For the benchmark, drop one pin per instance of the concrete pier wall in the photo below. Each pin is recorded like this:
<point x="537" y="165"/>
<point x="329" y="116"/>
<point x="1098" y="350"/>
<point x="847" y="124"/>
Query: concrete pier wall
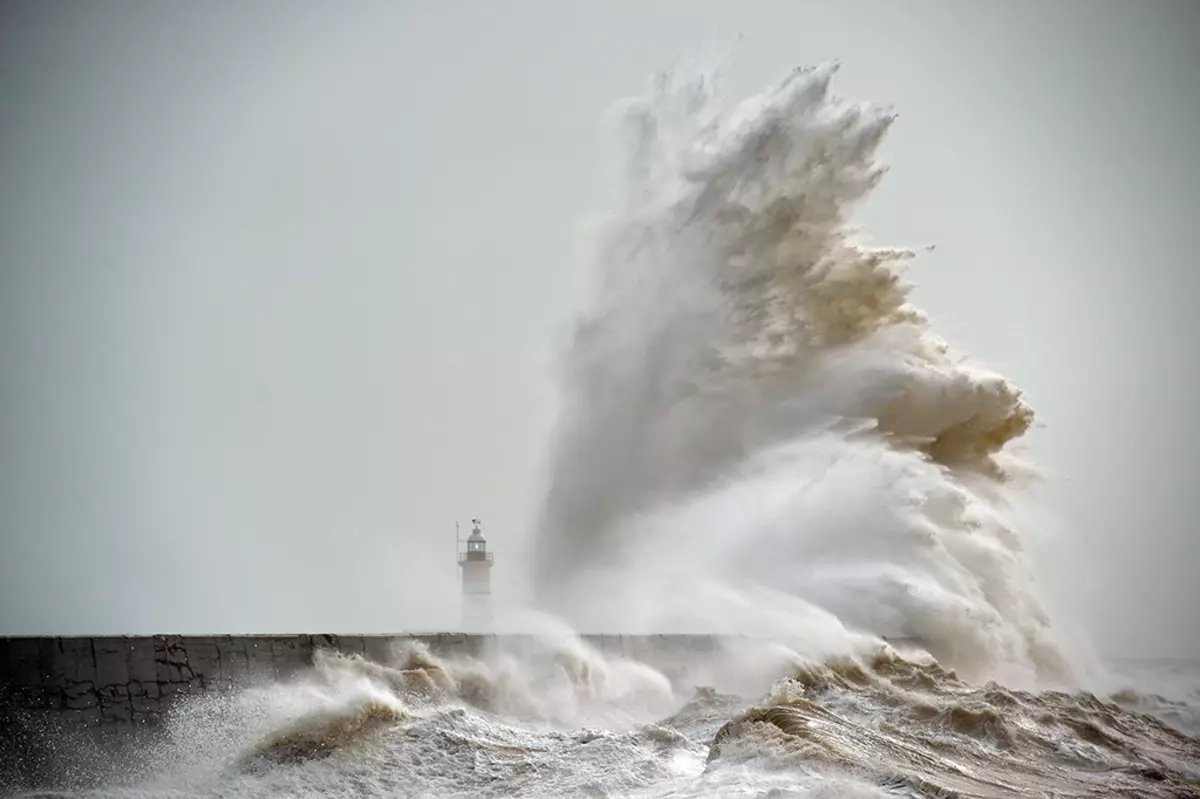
<point x="103" y="687"/>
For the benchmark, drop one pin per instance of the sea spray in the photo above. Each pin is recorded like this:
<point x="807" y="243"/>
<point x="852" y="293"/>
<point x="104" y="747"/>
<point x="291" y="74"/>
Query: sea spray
<point x="759" y="430"/>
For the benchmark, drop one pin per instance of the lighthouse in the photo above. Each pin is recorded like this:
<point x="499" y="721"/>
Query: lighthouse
<point x="476" y="565"/>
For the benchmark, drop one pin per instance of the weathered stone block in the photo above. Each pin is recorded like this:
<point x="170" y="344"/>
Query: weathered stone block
<point x="351" y="645"/>
<point x="47" y="654"/>
<point x="377" y="648"/>
<point x="289" y="655"/>
<point x="323" y="641"/>
<point x="150" y="690"/>
<point x="74" y="661"/>
<point x="235" y="666"/>
<point x="203" y="658"/>
<point x="24" y="662"/>
<point x="80" y="695"/>
<point x="167" y="690"/>
<point x="112" y="666"/>
<point x="260" y="661"/>
<point x="84" y="717"/>
<point x="171" y="660"/>
<point x="110" y="694"/>
<point x="144" y="705"/>
<point x="115" y="704"/>
<point x="141" y="660"/>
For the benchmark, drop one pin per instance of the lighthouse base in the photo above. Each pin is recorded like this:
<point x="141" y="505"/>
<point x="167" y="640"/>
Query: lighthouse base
<point x="477" y="613"/>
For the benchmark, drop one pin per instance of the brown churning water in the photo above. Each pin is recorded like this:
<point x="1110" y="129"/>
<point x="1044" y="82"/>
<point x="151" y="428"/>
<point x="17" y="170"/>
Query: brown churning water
<point x="556" y="718"/>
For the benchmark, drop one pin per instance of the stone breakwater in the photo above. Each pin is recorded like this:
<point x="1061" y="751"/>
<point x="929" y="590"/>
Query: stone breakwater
<point x="106" y="689"/>
<point x="129" y="680"/>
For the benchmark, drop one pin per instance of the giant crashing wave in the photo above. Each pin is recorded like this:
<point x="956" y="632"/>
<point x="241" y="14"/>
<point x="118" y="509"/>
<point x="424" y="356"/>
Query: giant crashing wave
<point x="760" y="434"/>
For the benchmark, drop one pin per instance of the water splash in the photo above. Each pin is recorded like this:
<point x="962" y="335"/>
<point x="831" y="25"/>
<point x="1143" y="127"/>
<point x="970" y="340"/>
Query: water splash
<point x="760" y="432"/>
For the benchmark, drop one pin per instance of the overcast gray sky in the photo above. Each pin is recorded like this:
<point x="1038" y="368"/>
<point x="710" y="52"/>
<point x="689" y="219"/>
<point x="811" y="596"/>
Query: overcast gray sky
<point x="279" y="283"/>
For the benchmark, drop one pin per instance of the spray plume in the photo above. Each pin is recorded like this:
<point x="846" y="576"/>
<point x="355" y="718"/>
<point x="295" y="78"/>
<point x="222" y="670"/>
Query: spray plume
<point x="760" y="433"/>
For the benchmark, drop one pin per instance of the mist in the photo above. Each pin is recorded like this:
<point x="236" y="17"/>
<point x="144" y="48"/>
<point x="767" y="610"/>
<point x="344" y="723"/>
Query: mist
<point x="283" y="286"/>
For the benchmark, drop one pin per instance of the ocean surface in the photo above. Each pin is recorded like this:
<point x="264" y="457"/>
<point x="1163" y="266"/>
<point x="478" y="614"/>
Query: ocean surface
<point x="760" y="435"/>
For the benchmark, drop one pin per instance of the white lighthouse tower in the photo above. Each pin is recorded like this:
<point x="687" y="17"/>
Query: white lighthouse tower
<point x="476" y="564"/>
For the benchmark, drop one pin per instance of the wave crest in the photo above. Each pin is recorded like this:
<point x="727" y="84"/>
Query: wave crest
<point x="916" y="723"/>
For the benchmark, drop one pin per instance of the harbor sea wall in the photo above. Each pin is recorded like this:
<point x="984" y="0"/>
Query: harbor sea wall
<point x="128" y="680"/>
<point x="93" y="690"/>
